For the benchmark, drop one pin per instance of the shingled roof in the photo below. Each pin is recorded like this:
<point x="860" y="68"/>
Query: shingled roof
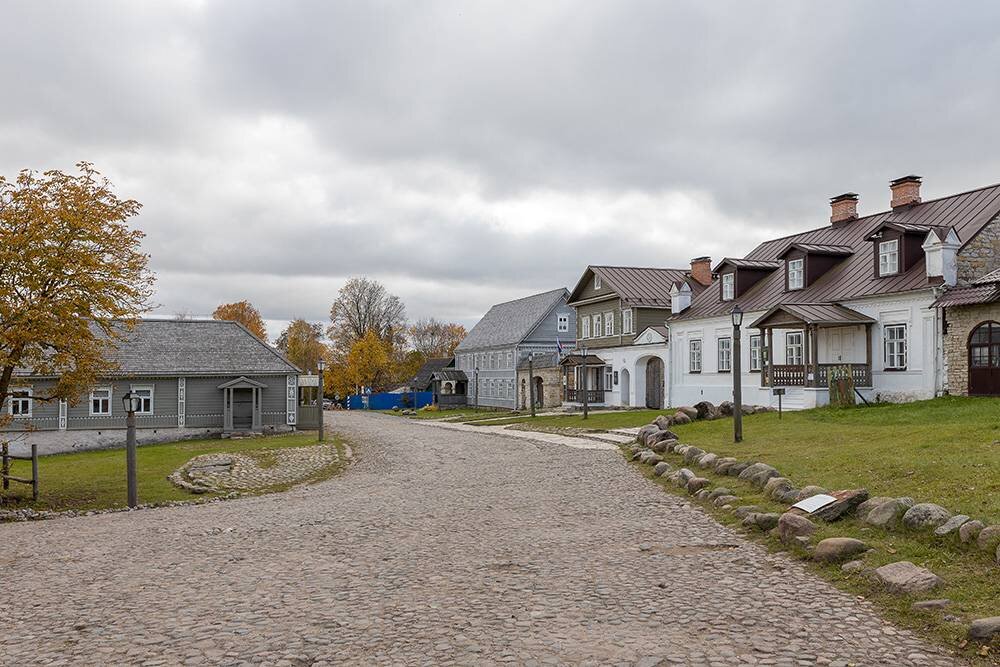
<point x="193" y="347"/>
<point x="510" y="323"/>
<point x="422" y="380"/>
<point x="967" y="213"/>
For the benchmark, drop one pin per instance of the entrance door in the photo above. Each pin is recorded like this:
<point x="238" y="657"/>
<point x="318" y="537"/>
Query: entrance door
<point x="841" y="345"/>
<point x="625" y="389"/>
<point x="539" y="392"/>
<point x="654" y="383"/>
<point x="242" y="409"/>
<point x="984" y="360"/>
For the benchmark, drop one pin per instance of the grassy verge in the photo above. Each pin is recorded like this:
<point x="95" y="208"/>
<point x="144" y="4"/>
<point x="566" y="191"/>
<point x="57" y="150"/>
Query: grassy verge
<point x="96" y="480"/>
<point x="458" y="414"/>
<point x="601" y="421"/>
<point x="945" y="450"/>
<point x="972" y="579"/>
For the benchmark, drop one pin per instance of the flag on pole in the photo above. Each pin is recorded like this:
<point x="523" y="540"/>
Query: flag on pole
<point x="559" y="347"/>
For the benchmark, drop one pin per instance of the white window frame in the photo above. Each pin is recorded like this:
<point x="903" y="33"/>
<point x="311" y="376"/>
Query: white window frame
<point x="888" y="257"/>
<point x="796" y="273"/>
<point x="728" y="286"/>
<point x="609" y="377"/>
<point x="609" y="324"/>
<point x="585" y="326"/>
<point x="794" y="350"/>
<point x="724" y="347"/>
<point x="755" y="352"/>
<point x="152" y="390"/>
<point x="894" y="346"/>
<point x="562" y="323"/>
<point x="597" y="282"/>
<point x="627" y="321"/>
<point x="694" y="355"/>
<point x="110" y="399"/>
<point x="21" y="395"/>
<point x="598" y="325"/>
<point x="510" y="360"/>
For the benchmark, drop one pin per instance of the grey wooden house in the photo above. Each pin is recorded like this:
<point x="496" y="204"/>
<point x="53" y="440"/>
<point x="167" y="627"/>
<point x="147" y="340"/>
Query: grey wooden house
<point x="490" y="353"/>
<point x="196" y="379"/>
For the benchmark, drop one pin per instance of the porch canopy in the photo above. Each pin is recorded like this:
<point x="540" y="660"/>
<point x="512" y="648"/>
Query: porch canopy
<point x="809" y="318"/>
<point x="579" y="360"/>
<point x="238" y="413"/>
<point x="573" y="382"/>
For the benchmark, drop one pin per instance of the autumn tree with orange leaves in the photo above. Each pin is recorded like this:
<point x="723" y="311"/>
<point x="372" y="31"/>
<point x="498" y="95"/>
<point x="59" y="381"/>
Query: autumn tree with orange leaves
<point x="73" y="277"/>
<point x="246" y="314"/>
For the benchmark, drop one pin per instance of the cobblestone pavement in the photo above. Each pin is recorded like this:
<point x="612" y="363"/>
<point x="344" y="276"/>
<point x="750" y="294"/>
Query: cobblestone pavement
<point x="436" y="547"/>
<point x="255" y="469"/>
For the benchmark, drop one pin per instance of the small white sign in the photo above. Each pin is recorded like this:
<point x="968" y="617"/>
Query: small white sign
<point x="308" y="380"/>
<point x="813" y="503"/>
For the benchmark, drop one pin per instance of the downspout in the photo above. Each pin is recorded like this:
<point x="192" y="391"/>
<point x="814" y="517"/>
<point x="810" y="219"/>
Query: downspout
<point x="939" y="379"/>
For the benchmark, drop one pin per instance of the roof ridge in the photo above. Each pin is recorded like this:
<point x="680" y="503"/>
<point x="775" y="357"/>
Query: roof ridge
<point x="530" y="296"/>
<point x="636" y="268"/>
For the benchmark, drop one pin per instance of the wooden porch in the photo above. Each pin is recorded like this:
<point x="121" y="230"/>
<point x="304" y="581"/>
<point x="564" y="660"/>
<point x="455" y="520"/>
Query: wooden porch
<point x="593" y="365"/>
<point x="809" y="319"/>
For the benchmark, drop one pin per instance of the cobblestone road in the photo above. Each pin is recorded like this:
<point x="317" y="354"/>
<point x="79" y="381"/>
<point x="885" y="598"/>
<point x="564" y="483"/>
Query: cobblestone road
<point x="436" y="547"/>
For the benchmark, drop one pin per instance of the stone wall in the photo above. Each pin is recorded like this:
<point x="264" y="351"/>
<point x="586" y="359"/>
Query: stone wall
<point x="961" y="321"/>
<point x="62" y="442"/>
<point x="981" y="255"/>
<point x="552" y="391"/>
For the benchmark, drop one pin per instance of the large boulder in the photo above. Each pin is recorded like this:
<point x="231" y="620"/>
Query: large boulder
<point x="707" y="460"/>
<point x="777" y="486"/>
<point x="660" y="447"/>
<point x="837" y="549"/>
<point x="664" y="422"/>
<point x="758" y="474"/>
<point x="951" y="527"/>
<point x="722" y="501"/>
<point x="721" y="462"/>
<point x="719" y="491"/>
<point x="904" y="577"/>
<point x="989" y="538"/>
<point x="650" y="457"/>
<point x="789" y="497"/>
<point x="691" y="412"/>
<point x="736" y="469"/>
<point x="985" y="629"/>
<point x="970" y="531"/>
<point x="661" y="468"/>
<point x="745" y="510"/>
<point x="660" y="436"/>
<point x="645" y="431"/>
<point x="889" y="514"/>
<point x="696" y="484"/>
<point x="767" y="521"/>
<point x="866" y="507"/>
<point x="792" y="525"/>
<point x="693" y="454"/>
<point x="845" y="505"/>
<point x="681" y="477"/>
<point x="706" y="410"/>
<point x="925" y="516"/>
<point x="681" y="418"/>
<point x="726" y="408"/>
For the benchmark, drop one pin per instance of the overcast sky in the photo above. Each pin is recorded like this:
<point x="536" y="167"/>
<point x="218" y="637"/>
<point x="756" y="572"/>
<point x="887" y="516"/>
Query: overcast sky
<point x="466" y="153"/>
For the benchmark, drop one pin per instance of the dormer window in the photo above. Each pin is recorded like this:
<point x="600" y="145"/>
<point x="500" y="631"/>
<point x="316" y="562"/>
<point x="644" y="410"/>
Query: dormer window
<point x="597" y="281"/>
<point x="796" y="274"/>
<point x="728" y="286"/>
<point x="888" y="257"/>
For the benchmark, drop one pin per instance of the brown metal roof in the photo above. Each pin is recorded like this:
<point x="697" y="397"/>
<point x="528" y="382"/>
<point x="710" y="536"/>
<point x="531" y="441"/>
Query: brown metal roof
<point x="820" y="249"/>
<point x="743" y="263"/>
<point x="643" y="287"/>
<point x="991" y="277"/>
<point x="854" y="277"/>
<point x="577" y="360"/>
<point x="816" y="313"/>
<point x="968" y="296"/>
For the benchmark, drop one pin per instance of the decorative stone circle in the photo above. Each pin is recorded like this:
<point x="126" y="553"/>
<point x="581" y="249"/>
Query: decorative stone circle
<point x="258" y="469"/>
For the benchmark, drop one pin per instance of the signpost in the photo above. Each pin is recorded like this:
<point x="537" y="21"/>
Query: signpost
<point x="779" y="392"/>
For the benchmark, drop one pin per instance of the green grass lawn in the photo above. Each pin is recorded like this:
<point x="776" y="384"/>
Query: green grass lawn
<point x="945" y="450"/>
<point x="96" y="480"/>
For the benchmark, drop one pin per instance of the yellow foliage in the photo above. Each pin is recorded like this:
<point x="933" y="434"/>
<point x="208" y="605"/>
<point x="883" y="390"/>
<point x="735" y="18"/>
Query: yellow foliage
<point x="73" y="276"/>
<point x="246" y="314"/>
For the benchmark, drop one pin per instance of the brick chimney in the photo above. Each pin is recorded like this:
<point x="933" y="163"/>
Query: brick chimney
<point x="701" y="270"/>
<point x="905" y="191"/>
<point x="844" y="208"/>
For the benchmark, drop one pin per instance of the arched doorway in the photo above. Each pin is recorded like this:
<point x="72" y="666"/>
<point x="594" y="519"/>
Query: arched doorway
<point x="654" y="383"/>
<point x="539" y="395"/>
<point x="984" y="360"/>
<point x="623" y="385"/>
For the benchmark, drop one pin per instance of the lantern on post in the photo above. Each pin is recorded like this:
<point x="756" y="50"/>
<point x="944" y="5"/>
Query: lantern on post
<point x="737" y="317"/>
<point x="132" y="403"/>
<point x="320" y="367"/>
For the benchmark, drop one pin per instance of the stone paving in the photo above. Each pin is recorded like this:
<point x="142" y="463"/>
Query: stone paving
<point x="256" y="469"/>
<point x="436" y="546"/>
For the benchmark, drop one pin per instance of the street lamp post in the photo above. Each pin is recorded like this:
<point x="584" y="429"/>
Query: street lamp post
<point x="131" y="401"/>
<point x="320" y="366"/>
<point x="737" y="315"/>
<point x="531" y="381"/>
<point x="475" y="381"/>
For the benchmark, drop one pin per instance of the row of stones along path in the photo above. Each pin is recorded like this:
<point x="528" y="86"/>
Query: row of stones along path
<point x="436" y="547"/>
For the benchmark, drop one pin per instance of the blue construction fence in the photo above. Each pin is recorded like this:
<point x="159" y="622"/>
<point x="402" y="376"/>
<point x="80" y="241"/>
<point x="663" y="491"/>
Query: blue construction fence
<point x="389" y="401"/>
